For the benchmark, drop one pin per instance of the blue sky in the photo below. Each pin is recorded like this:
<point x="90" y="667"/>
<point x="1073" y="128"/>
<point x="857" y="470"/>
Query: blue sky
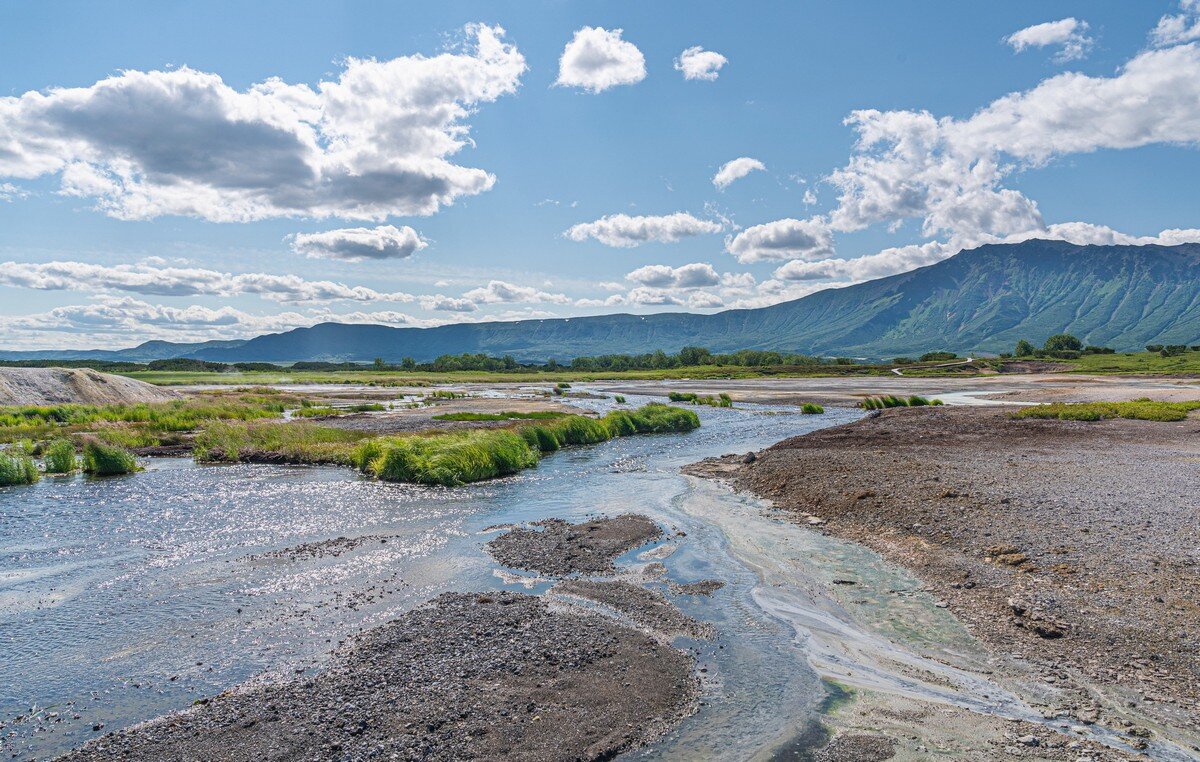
<point x="165" y="193"/>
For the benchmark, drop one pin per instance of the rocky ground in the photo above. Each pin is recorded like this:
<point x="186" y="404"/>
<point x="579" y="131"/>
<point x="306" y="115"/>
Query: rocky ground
<point x="467" y="676"/>
<point x="555" y="548"/>
<point x="1070" y="546"/>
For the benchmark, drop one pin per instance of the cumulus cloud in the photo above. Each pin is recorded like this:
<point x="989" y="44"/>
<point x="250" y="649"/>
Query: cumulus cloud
<point x="736" y="170"/>
<point x="372" y="143"/>
<point x="782" y="239"/>
<point x="1177" y="28"/>
<point x="622" y="230"/>
<point x="698" y="63"/>
<point x="949" y="172"/>
<point x="179" y="281"/>
<point x="887" y="262"/>
<point x="596" y="59"/>
<point x="500" y="292"/>
<point x="694" y="275"/>
<point x="10" y="192"/>
<point x="359" y="244"/>
<point x="1069" y="35"/>
<point x="443" y="303"/>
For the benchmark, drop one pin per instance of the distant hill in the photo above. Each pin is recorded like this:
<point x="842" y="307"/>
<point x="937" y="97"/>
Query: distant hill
<point x="982" y="300"/>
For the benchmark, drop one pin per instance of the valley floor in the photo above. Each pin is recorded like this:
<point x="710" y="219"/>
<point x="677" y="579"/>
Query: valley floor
<point x="1069" y="548"/>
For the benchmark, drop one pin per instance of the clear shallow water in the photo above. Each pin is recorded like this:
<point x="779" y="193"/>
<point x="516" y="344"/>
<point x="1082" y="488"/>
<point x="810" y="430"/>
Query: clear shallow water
<point x="125" y="598"/>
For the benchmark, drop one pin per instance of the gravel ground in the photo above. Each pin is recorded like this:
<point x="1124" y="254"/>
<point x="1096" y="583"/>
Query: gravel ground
<point x="645" y="608"/>
<point x="557" y="548"/>
<point x="1072" y="546"/>
<point x="468" y="676"/>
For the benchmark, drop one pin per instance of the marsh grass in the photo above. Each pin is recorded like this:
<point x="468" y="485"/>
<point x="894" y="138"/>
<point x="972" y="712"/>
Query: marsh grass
<point x="17" y="469"/>
<point x="297" y="442"/>
<point x="882" y="402"/>
<point x="101" y="459"/>
<point x="537" y="415"/>
<point x="1141" y="410"/>
<point x="811" y="408"/>
<point x="446" y="458"/>
<point x="59" y="457"/>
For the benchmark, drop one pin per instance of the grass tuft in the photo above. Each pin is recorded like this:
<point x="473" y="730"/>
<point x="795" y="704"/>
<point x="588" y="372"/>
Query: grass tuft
<point x="100" y="459"/>
<point x="17" y="469"/>
<point x="60" y="457"/>
<point x="811" y="408"/>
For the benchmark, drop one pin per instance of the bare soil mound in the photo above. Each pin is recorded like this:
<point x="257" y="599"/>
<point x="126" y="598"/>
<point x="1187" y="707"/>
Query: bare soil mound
<point x="54" y="386"/>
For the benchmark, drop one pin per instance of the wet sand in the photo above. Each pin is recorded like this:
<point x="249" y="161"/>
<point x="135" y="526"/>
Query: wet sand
<point x="1068" y="547"/>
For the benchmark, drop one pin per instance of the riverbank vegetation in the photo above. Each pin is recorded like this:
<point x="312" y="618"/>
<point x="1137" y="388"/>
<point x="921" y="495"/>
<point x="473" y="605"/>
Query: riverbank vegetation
<point x="508" y="415"/>
<point x="59" y="457"/>
<point x="17" y="469"/>
<point x="721" y="400"/>
<point x="890" y="400"/>
<point x="1141" y="410"/>
<point x="102" y="459"/>
<point x="447" y="458"/>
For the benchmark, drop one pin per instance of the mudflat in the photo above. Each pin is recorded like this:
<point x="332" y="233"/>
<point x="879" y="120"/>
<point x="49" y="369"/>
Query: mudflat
<point x="1071" y="546"/>
<point x="467" y="676"/>
<point x="557" y="548"/>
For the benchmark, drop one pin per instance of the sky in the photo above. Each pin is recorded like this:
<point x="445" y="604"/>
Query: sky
<point x="219" y="170"/>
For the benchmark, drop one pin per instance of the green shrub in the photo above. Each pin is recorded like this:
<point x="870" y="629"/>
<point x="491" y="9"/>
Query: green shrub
<point x="100" y="459"/>
<point x="810" y="408"/>
<point x="60" y="457"/>
<point x="17" y="469"/>
<point x="938" y="356"/>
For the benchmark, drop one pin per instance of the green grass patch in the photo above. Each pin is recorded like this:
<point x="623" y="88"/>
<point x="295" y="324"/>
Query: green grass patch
<point x="297" y="442"/>
<point x="446" y="458"/>
<point x="59" y="457"/>
<point x="537" y="415"/>
<point x="101" y="459"/>
<point x="882" y="402"/>
<point x="811" y="408"/>
<point x="17" y="469"/>
<point x="1140" y="410"/>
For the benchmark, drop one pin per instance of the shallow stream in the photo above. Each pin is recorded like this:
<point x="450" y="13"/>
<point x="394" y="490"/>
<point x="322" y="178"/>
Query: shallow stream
<point x="125" y="598"/>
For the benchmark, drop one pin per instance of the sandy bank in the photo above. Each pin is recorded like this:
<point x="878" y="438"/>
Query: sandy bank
<point x="1069" y="546"/>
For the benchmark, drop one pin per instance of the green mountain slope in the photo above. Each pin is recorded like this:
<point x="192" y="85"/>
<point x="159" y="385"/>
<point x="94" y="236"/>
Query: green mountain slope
<point x="982" y="300"/>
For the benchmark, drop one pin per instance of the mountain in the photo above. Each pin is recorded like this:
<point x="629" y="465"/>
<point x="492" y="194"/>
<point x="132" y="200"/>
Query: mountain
<point x="150" y="350"/>
<point x="982" y="300"/>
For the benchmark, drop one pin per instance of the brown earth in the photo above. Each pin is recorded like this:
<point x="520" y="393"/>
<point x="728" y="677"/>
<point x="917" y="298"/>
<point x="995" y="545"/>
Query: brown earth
<point x="1071" y="545"/>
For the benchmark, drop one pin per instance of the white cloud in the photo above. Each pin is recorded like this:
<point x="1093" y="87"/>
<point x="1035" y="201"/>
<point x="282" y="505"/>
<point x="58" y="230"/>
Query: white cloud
<point x="622" y="230"/>
<point x="596" y="59"/>
<point x="178" y="281"/>
<point x="372" y="143"/>
<point x="694" y="275"/>
<point x="782" y="239"/>
<point x="9" y="192"/>
<point x="652" y="297"/>
<point x="887" y="262"/>
<point x="443" y="303"/>
<point x="359" y="244"/>
<point x="698" y="63"/>
<point x="1174" y="29"/>
<point x="1069" y="35"/>
<point x="735" y="170"/>
<point x="950" y="172"/>
<point x="500" y="292"/>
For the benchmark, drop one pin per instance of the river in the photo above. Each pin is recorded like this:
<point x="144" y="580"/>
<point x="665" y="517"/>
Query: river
<point x="125" y="598"/>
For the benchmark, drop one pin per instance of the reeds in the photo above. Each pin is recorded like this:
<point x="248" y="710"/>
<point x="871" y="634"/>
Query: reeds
<point x="17" y="469"/>
<point x="100" y="459"/>
<point x="60" y="457"/>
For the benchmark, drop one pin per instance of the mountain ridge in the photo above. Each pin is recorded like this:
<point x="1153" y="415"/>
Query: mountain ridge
<point x="980" y="300"/>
